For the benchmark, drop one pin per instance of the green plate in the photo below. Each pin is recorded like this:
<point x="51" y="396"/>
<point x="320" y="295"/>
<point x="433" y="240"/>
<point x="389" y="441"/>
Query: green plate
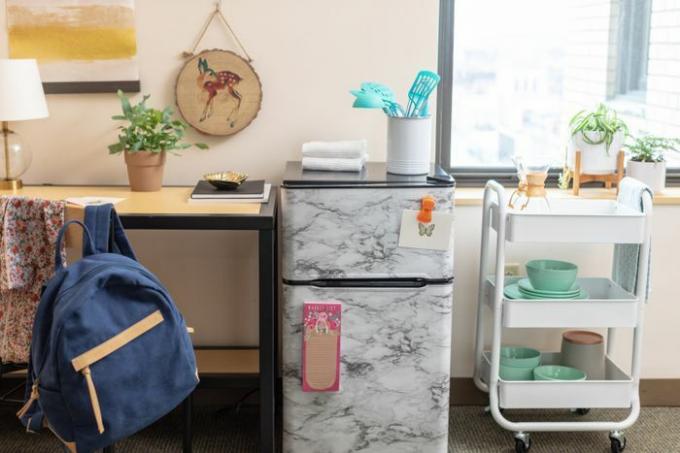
<point x="512" y="292"/>
<point x="526" y="287"/>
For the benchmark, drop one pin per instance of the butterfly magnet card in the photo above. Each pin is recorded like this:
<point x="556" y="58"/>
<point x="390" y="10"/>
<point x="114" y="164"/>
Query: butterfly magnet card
<point x="434" y="235"/>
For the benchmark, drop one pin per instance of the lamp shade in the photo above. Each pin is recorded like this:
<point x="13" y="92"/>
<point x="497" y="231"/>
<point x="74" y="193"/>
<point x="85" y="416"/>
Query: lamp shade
<point x="21" y="91"/>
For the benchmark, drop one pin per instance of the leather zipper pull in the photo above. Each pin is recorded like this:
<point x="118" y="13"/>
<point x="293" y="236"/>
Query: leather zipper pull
<point x="96" y="409"/>
<point x="29" y="403"/>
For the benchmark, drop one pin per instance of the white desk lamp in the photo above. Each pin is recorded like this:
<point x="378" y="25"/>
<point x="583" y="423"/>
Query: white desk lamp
<point x="21" y="98"/>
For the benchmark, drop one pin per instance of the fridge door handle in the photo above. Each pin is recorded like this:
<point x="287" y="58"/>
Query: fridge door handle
<point x="370" y="283"/>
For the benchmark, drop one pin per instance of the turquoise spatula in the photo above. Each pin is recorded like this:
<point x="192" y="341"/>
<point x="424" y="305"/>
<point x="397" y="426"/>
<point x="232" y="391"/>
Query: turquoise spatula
<point x="423" y="86"/>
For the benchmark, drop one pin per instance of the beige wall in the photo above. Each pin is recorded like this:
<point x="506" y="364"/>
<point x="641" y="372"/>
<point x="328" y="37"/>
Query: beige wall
<point x="308" y="53"/>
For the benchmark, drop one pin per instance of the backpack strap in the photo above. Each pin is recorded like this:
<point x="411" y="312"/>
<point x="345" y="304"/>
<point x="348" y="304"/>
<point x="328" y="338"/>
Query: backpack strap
<point x="88" y="244"/>
<point x="107" y="230"/>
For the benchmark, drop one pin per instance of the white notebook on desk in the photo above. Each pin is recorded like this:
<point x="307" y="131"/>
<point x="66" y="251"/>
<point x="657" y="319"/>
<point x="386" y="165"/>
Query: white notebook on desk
<point x="264" y="199"/>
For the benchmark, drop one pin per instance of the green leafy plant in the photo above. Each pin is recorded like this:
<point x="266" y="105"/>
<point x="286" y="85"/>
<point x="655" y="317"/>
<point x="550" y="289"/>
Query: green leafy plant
<point x="565" y="178"/>
<point x="149" y="129"/>
<point x="603" y="120"/>
<point x="652" y="148"/>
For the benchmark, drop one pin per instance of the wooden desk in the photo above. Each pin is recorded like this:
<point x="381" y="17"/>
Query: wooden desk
<point x="170" y="210"/>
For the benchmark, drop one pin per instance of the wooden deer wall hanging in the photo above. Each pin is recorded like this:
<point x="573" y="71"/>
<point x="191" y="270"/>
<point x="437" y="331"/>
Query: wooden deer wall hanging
<point x="218" y="92"/>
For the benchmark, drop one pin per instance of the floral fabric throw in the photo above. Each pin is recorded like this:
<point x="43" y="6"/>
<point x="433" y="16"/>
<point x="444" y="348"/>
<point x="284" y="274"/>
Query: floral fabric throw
<point x="28" y="233"/>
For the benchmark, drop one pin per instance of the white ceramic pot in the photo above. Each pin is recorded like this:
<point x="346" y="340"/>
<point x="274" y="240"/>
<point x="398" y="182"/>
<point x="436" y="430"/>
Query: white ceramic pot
<point x="409" y="145"/>
<point x="595" y="159"/>
<point x="651" y="173"/>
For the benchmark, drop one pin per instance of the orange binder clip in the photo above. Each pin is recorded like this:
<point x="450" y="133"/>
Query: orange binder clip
<point x="427" y="204"/>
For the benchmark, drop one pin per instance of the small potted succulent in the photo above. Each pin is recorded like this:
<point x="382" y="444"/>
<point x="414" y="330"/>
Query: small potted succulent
<point x="647" y="162"/>
<point x="145" y="140"/>
<point x="599" y="135"/>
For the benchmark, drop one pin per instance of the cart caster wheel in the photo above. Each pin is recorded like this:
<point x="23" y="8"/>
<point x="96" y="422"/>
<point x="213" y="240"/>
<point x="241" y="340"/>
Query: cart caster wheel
<point x="522" y="442"/>
<point x="521" y="446"/>
<point x="618" y="442"/>
<point x="580" y="411"/>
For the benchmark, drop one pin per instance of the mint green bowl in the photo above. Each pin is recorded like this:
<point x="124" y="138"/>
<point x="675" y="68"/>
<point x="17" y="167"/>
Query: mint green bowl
<point x="511" y="373"/>
<point x="551" y="275"/>
<point x="558" y="373"/>
<point x="520" y="357"/>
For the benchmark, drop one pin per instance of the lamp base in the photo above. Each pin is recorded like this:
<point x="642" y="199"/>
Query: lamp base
<point x="11" y="184"/>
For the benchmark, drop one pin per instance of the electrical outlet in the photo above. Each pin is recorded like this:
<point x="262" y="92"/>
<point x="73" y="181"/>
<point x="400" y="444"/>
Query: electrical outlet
<point x="512" y="269"/>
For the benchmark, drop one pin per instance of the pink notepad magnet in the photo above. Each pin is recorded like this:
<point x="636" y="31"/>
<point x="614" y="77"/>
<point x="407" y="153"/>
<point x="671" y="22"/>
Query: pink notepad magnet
<point x="321" y="346"/>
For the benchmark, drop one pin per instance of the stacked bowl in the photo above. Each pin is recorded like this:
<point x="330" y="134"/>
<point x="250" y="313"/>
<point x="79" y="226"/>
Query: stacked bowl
<point x="518" y="363"/>
<point x="547" y="279"/>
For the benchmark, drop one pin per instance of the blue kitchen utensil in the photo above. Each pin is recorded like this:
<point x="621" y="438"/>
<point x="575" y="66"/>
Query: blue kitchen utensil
<point x="381" y="90"/>
<point x="423" y="86"/>
<point x="425" y="111"/>
<point x="392" y="107"/>
<point x="367" y="100"/>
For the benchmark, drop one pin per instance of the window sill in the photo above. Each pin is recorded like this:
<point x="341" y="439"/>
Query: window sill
<point x="468" y="196"/>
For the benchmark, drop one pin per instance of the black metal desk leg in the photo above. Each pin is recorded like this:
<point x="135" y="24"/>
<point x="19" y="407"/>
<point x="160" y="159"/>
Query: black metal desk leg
<point x="267" y="341"/>
<point x="187" y="434"/>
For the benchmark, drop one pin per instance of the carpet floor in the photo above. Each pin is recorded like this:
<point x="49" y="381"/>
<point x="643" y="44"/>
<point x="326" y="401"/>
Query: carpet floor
<point x="471" y="430"/>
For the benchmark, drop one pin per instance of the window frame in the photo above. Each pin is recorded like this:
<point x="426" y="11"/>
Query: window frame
<point x="474" y="176"/>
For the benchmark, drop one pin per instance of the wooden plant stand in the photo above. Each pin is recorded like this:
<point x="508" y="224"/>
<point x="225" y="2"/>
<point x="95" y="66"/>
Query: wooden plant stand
<point x="615" y="177"/>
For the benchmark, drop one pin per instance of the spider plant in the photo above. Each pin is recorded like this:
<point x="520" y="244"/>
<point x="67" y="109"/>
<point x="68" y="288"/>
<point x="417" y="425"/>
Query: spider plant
<point x="603" y="120"/>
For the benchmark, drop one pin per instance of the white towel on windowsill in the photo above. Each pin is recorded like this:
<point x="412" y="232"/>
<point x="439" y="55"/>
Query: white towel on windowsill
<point x="344" y="149"/>
<point x="333" y="164"/>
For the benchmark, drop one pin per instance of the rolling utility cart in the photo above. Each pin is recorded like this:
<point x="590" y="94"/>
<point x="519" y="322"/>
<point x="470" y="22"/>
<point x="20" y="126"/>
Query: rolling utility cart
<point x="608" y="305"/>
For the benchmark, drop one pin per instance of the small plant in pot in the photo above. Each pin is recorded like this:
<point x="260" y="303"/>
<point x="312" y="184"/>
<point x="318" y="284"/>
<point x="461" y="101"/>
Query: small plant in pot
<point x="145" y="140"/>
<point x="599" y="135"/>
<point x="647" y="162"/>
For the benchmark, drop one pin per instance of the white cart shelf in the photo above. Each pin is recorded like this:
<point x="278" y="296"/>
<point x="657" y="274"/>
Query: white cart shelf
<point x="614" y="391"/>
<point x="584" y="221"/>
<point x="608" y="305"/>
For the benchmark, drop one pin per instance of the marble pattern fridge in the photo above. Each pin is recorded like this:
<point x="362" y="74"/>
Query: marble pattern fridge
<point x="340" y="243"/>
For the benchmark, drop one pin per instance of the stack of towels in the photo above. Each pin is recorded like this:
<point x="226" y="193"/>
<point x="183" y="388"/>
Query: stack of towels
<point x="346" y="155"/>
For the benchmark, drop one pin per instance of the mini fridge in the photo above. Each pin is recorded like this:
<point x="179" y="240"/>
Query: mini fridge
<point x="340" y="244"/>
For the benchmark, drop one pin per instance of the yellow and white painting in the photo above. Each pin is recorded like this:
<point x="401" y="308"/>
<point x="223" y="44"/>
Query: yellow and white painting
<point x="80" y="45"/>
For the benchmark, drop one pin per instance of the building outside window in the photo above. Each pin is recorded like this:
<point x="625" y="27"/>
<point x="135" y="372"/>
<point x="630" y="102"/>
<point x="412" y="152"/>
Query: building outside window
<point x="521" y="69"/>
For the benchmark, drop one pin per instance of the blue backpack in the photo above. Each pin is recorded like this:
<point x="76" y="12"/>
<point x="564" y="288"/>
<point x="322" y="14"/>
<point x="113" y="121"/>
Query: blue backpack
<point x="110" y="352"/>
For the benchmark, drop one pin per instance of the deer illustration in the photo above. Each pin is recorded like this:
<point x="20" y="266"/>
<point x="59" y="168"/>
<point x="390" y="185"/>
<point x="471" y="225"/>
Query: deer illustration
<point x="213" y="82"/>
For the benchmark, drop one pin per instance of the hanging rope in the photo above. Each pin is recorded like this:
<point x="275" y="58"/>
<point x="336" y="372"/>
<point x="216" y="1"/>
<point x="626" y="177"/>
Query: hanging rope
<point x="216" y="13"/>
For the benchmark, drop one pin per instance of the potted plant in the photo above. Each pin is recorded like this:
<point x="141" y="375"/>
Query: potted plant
<point x="599" y="135"/>
<point x="647" y="162"/>
<point x="145" y="140"/>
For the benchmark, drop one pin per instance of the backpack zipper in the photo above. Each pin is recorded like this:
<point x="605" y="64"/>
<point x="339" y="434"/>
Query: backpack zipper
<point x="35" y="394"/>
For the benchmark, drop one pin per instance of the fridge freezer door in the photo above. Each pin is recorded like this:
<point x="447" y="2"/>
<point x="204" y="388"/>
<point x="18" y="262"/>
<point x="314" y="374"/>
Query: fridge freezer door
<point x="332" y="233"/>
<point x="394" y="372"/>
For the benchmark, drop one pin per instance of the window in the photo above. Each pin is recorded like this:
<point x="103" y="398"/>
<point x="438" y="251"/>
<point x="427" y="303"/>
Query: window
<point x="515" y="72"/>
<point x="633" y="47"/>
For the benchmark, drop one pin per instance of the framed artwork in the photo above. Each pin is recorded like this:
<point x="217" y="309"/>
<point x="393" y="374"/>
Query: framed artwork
<point x="82" y="46"/>
<point x="218" y="92"/>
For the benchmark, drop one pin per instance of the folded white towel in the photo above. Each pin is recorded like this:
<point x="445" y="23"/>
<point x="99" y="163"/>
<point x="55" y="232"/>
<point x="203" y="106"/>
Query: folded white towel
<point x="626" y="256"/>
<point x="333" y="164"/>
<point x="344" y="149"/>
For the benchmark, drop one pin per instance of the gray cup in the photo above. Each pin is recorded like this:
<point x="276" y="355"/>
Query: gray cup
<point x="584" y="350"/>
